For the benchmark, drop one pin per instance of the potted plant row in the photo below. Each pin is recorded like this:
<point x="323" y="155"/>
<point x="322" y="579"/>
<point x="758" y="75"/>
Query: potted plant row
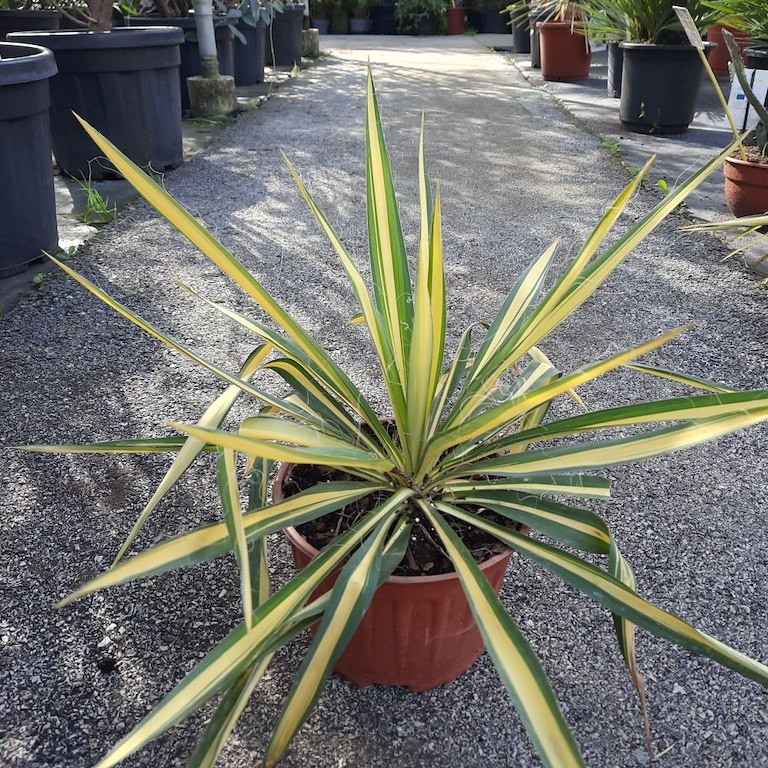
<point x="420" y="17"/>
<point x="25" y="16"/>
<point x="441" y="491"/>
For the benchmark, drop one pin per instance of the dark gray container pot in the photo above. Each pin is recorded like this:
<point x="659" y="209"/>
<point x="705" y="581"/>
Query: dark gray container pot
<point x="757" y="58"/>
<point x="494" y="23"/>
<point x="659" y="87"/>
<point x="359" y="26"/>
<point x="286" y="37"/>
<point x="26" y="21"/>
<point x="321" y="25"/>
<point x="536" y="37"/>
<point x="615" y="69"/>
<point x="521" y="38"/>
<point x="27" y="201"/>
<point x="251" y="55"/>
<point x="126" y="84"/>
<point x="190" y="52"/>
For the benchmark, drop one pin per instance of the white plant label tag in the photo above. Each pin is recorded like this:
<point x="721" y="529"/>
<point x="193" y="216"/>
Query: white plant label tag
<point x="689" y="27"/>
<point x="743" y="114"/>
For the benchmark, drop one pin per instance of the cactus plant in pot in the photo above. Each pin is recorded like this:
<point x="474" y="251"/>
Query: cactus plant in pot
<point x="662" y="72"/>
<point x="125" y="81"/>
<point x="464" y="460"/>
<point x="27" y="202"/>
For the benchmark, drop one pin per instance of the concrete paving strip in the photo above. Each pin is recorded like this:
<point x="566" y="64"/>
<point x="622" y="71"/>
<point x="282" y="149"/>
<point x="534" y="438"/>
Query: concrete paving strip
<point x="515" y="172"/>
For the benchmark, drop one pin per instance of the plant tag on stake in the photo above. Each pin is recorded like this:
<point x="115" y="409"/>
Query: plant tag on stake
<point x="689" y="27"/>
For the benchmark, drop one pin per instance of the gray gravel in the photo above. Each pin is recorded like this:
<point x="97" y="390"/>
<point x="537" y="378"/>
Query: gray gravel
<point x="515" y="173"/>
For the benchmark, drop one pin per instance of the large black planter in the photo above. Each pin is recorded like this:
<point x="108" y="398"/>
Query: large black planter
<point x="494" y="23"/>
<point x="27" y="202"/>
<point x="25" y="21"/>
<point x="286" y="37"/>
<point x="190" y="53"/>
<point x="250" y="56"/>
<point x="659" y="87"/>
<point x="615" y="69"/>
<point x="383" y="20"/>
<point x="757" y="58"/>
<point x="126" y="84"/>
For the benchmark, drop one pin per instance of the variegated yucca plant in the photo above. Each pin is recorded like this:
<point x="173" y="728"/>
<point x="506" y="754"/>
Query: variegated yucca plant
<point x="464" y="438"/>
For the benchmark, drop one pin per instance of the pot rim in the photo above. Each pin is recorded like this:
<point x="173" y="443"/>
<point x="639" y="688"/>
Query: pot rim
<point x="119" y="37"/>
<point x="27" y="13"/>
<point x="663" y="46"/>
<point x="745" y="163"/>
<point x="34" y="63"/>
<point x="301" y="543"/>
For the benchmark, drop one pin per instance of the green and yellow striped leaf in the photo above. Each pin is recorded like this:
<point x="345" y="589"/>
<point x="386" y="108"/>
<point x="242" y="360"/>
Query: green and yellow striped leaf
<point x="514" y="658"/>
<point x="682" y="378"/>
<point x="243" y="648"/>
<point x="350" y="598"/>
<point x="619" y="598"/>
<point x="138" y="445"/>
<point x="583" y="486"/>
<point x="213" y="540"/>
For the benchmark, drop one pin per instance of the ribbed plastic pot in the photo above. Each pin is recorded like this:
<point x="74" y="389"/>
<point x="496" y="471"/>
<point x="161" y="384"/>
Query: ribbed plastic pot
<point x="565" y="54"/>
<point x="757" y="57"/>
<point x="126" y="84"/>
<point x="746" y="186"/>
<point x="27" y="201"/>
<point x="26" y="21"/>
<point x="251" y="55"/>
<point x="286" y="37"/>
<point x="719" y="58"/>
<point x="418" y="632"/>
<point x="615" y="69"/>
<point x="659" y="87"/>
<point x="190" y="53"/>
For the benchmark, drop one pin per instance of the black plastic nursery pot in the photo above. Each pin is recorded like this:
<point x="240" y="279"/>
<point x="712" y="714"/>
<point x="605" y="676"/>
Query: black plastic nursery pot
<point x="757" y="58"/>
<point x="25" y="21"/>
<point x="659" y="87"/>
<point x="251" y="55"/>
<point x="126" y="84"/>
<point x="494" y="23"/>
<point x="615" y="69"/>
<point x="190" y="53"/>
<point x="535" y="36"/>
<point x="383" y="20"/>
<point x="521" y="38"/>
<point x="27" y="201"/>
<point x="286" y="37"/>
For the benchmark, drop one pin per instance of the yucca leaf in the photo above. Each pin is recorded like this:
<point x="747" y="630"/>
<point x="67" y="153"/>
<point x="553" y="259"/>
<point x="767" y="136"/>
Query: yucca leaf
<point x="619" y="598"/>
<point x="514" y="658"/>
<point x="233" y="518"/>
<point x="242" y="649"/>
<point x="586" y="486"/>
<point x="138" y="445"/>
<point x="350" y="597"/>
<point x="188" y="226"/>
<point x="212" y="417"/>
<point x="389" y="262"/>
<point x="211" y="541"/>
<point x="682" y="378"/>
<point x="578" y="528"/>
<point x="258" y="496"/>
<point x="320" y="453"/>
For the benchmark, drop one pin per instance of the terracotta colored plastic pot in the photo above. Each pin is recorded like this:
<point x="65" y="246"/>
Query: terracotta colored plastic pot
<point x="746" y="186"/>
<point x="719" y="58"/>
<point x="565" y="54"/>
<point x="418" y="631"/>
<point x="456" y="21"/>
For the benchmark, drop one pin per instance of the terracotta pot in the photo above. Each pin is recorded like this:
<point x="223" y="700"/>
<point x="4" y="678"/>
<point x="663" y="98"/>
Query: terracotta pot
<point x="746" y="186"/>
<point x="565" y="54"/>
<point x="456" y="21"/>
<point x="719" y="58"/>
<point x="418" y="632"/>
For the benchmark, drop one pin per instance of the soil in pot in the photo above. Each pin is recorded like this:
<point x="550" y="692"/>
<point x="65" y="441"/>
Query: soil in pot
<point x="746" y="184"/>
<point x="26" y="21"/>
<point x="419" y="630"/>
<point x="27" y="201"/>
<point x="126" y="84"/>
<point x="565" y="54"/>
<point x="659" y="87"/>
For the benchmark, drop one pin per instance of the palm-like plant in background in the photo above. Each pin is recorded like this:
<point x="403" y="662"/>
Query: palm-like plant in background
<point x="467" y="433"/>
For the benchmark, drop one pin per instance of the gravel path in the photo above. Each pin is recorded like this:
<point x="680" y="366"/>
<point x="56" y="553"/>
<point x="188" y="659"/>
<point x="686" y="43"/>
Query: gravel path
<point x="515" y="173"/>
